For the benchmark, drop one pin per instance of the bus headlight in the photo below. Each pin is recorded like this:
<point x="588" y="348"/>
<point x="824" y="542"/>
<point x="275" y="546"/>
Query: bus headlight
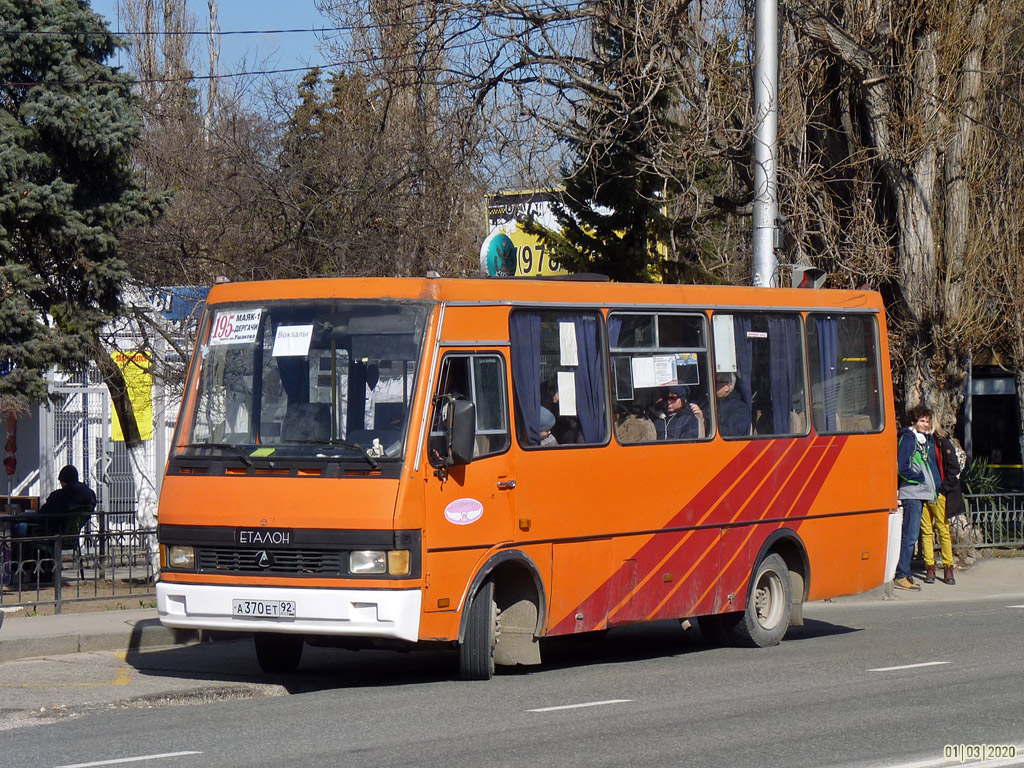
<point x="395" y="562"/>
<point x="398" y="562"/>
<point x="180" y="556"/>
<point x="367" y="561"/>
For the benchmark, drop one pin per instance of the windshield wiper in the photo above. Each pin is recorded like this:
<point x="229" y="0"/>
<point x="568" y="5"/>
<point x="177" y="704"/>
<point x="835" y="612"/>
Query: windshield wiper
<point x="342" y="444"/>
<point x="237" y="449"/>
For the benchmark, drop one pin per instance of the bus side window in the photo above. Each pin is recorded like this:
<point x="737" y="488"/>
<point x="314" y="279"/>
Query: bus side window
<point x="659" y="376"/>
<point x="760" y="357"/>
<point x="480" y="378"/>
<point x="558" y="368"/>
<point x="845" y="373"/>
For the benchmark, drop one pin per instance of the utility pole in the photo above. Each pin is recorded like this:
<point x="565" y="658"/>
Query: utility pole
<point x="211" y="91"/>
<point x="766" y="115"/>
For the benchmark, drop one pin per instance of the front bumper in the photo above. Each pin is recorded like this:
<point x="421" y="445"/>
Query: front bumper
<point x="391" y="613"/>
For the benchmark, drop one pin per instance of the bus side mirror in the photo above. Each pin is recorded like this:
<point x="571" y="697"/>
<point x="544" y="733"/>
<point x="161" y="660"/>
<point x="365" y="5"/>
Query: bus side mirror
<point x="455" y="444"/>
<point x="463" y="431"/>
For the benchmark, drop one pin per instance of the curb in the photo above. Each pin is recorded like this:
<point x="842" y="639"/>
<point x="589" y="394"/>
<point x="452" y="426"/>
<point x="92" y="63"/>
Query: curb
<point x="146" y="633"/>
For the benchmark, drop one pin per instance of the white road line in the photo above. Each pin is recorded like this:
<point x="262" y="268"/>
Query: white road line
<point x="911" y="666"/>
<point x="1015" y="606"/>
<point x="581" y="706"/>
<point x="129" y="759"/>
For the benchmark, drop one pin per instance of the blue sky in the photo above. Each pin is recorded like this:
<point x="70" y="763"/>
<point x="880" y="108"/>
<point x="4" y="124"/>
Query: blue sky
<point x="275" y="51"/>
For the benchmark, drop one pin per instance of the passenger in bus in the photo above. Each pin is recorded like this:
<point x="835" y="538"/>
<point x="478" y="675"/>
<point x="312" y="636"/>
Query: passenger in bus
<point x="733" y="411"/>
<point x="632" y="427"/>
<point x="567" y="430"/>
<point x="547" y="422"/>
<point x="676" y="417"/>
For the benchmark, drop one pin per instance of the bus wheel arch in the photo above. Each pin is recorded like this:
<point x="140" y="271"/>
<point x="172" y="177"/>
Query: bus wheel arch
<point x="511" y="583"/>
<point x="776" y="592"/>
<point x="790" y="547"/>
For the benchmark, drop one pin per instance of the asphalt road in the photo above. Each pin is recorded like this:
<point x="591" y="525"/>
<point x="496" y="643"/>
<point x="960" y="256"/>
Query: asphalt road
<point x="862" y="684"/>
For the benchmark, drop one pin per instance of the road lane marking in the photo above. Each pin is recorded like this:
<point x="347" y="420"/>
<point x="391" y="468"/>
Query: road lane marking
<point x="911" y="666"/>
<point x="1015" y="606"/>
<point x="129" y="759"/>
<point x="581" y="706"/>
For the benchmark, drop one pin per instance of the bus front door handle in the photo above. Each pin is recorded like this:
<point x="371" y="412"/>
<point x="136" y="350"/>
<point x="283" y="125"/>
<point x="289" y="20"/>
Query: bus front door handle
<point x="506" y="485"/>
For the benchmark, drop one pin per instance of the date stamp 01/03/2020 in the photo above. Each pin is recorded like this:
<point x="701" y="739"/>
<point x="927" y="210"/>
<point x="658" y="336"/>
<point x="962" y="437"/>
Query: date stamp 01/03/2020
<point x="979" y="752"/>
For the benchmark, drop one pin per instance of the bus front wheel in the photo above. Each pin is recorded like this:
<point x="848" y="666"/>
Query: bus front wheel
<point x="278" y="653"/>
<point x="476" y="651"/>
<point x="766" y="618"/>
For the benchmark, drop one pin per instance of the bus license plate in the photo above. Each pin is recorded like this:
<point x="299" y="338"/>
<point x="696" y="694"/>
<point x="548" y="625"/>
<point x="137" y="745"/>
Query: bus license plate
<point x="263" y="609"/>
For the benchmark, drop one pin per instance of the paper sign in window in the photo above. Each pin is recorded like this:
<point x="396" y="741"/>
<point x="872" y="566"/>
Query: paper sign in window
<point x="235" y="327"/>
<point x="568" y="354"/>
<point x="643" y="372"/>
<point x="566" y="393"/>
<point x="292" y="340"/>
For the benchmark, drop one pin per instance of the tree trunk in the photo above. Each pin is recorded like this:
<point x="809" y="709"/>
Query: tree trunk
<point x="145" y="487"/>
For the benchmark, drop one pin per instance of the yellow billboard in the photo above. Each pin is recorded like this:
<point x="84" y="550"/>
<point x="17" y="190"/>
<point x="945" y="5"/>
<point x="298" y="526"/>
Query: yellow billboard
<point x="504" y="209"/>
<point x="135" y="367"/>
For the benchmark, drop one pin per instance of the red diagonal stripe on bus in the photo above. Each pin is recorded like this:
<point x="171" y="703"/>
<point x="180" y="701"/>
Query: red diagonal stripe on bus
<point x="690" y="552"/>
<point x="788" y="465"/>
<point x="736" y="571"/>
<point x="702" y="504"/>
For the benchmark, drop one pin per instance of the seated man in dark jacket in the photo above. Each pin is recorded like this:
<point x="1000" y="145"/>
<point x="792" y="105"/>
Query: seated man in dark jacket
<point x="733" y="411"/>
<point x="675" y="417"/>
<point x="58" y="504"/>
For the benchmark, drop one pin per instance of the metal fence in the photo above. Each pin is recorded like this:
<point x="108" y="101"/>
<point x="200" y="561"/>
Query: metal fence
<point x="109" y="559"/>
<point x="992" y="520"/>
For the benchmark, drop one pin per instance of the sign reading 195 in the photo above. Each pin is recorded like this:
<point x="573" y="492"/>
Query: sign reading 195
<point x="223" y="326"/>
<point x="532" y="260"/>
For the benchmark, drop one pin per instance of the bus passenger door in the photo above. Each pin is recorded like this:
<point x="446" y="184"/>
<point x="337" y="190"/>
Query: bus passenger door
<point x="472" y="508"/>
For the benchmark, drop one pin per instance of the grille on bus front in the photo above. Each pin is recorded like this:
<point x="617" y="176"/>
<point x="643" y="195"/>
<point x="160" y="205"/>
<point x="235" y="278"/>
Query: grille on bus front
<point x="290" y="562"/>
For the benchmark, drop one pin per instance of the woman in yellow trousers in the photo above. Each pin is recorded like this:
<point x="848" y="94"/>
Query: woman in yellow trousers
<point x="948" y="504"/>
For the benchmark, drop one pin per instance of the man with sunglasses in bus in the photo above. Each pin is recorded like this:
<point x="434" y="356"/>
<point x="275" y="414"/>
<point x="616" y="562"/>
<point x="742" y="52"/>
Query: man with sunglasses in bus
<point x="676" y="418"/>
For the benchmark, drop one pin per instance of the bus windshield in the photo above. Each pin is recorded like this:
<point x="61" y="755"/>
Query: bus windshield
<point x="305" y="379"/>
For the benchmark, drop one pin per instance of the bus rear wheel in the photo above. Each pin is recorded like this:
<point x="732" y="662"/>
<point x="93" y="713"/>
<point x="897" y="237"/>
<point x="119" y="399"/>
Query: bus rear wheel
<point x="278" y="654"/>
<point x="766" y="618"/>
<point x="476" y="651"/>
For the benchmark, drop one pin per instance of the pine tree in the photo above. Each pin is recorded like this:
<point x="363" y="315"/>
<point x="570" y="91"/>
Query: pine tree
<point x="68" y="122"/>
<point x="612" y="211"/>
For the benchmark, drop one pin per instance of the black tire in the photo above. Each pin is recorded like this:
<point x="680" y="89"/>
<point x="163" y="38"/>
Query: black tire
<point x="766" y="618"/>
<point x="476" y="651"/>
<point x="278" y="654"/>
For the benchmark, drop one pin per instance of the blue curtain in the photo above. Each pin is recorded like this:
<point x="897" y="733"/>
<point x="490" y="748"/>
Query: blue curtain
<point x="828" y="363"/>
<point x="782" y="354"/>
<point x="589" y="385"/>
<point x="614" y="329"/>
<point x="744" y="355"/>
<point x="524" y="335"/>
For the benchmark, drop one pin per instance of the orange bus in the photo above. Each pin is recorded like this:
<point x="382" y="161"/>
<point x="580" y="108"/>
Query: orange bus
<point x="485" y="463"/>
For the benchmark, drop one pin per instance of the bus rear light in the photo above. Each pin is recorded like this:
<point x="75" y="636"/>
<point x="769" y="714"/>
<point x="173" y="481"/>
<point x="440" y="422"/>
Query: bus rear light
<point x="181" y="557"/>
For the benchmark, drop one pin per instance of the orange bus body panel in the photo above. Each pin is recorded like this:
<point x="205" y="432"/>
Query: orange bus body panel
<point x="618" y="533"/>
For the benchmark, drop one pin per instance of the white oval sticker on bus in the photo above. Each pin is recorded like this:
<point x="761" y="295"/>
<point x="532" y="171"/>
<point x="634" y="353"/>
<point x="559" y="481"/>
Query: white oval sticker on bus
<point x="464" y="511"/>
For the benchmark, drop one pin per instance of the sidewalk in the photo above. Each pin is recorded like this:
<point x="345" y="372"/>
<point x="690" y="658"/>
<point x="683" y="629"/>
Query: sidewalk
<point x="24" y="636"/>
